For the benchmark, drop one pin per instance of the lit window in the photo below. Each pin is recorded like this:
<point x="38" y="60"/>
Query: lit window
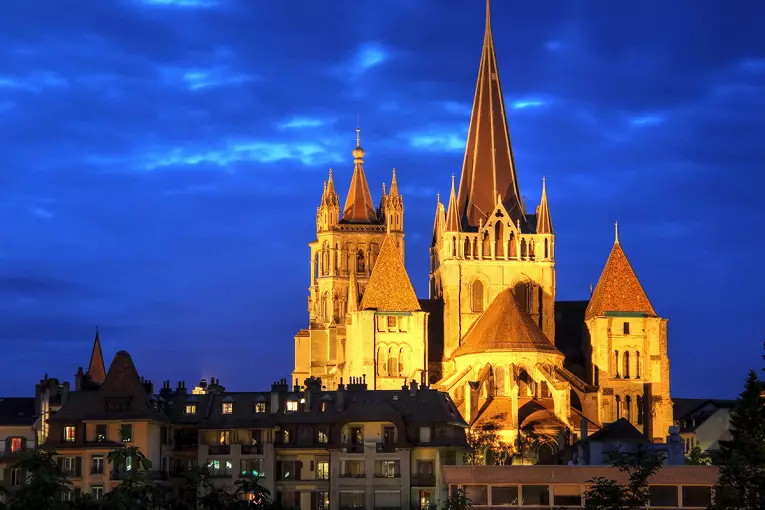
<point x="97" y="491"/>
<point x="285" y="436"/>
<point x="322" y="437"/>
<point x="260" y="407"/>
<point x="225" y="437"/>
<point x="126" y="433"/>
<point x="292" y="405"/>
<point x="191" y="409"/>
<point x="324" y="407"/>
<point x="70" y="434"/>
<point x="322" y="470"/>
<point x="16" y="444"/>
<point x="227" y="407"/>
<point x="101" y="433"/>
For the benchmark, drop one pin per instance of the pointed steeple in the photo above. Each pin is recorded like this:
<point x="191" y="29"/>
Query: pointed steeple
<point x="394" y="185"/>
<point x="353" y="291"/>
<point x="544" y="221"/>
<point x="389" y="288"/>
<point x="358" y="206"/>
<point x="383" y="200"/>
<point x="96" y="367"/>
<point x="618" y="289"/>
<point x="438" y="222"/>
<point x="452" y="218"/>
<point x="330" y="189"/>
<point x="489" y="165"/>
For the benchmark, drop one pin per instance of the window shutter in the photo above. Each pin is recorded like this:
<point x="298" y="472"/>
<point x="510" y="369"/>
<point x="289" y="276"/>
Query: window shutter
<point x="23" y="443"/>
<point x="78" y="466"/>
<point x="7" y="445"/>
<point x="311" y="465"/>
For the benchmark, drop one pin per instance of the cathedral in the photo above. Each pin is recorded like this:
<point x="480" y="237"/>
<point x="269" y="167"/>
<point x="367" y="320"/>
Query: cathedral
<point x="491" y="332"/>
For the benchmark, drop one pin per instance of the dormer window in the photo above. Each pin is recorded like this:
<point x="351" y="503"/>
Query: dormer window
<point x="70" y="433"/>
<point x="260" y="407"/>
<point x="191" y="409"/>
<point x="324" y="407"/>
<point x="292" y="405"/>
<point x="227" y="408"/>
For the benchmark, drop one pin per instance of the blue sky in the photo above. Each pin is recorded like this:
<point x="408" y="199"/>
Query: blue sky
<point x="163" y="161"/>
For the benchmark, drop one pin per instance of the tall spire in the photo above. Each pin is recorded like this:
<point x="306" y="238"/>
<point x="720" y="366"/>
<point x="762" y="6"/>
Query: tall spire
<point x="96" y="367"/>
<point x="330" y="185"/>
<point x="394" y="184"/>
<point x="358" y="206"/>
<point x="439" y="221"/>
<point x="489" y="165"/>
<point x="616" y="232"/>
<point x="544" y="221"/>
<point x="452" y="220"/>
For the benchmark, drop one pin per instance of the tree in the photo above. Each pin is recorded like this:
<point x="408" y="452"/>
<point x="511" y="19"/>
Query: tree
<point x="45" y="481"/>
<point x="697" y="458"/>
<point x="487" y="446"/>
<point x="741" y="484"/>
<point x="606" y="494"/>
<point x="458" y="501"/>
<point x="137" y="491"/>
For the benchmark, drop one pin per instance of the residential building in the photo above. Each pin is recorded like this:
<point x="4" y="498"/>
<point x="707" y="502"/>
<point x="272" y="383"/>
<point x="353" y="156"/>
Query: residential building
<point x="312" y="448"/>
<point x="17" y="418"/>
<point x="703" y="422"/>
<point x="491" y="332"/>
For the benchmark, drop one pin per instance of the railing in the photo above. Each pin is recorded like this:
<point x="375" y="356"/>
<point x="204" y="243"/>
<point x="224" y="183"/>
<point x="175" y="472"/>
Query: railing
<point x="252" y="449"/>
<point x="353" y="447"/>
<point x="185" y="447"/>
<point x="386" y="447"/>
<point x="387" y="475"/>
<point x="352" y="475"/>
<point x="219" y="449"/>
<point x="423" y="480"/>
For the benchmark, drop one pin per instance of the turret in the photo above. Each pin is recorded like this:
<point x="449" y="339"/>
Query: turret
<point x="394" y="207"/>
<point x="328" y="212"/>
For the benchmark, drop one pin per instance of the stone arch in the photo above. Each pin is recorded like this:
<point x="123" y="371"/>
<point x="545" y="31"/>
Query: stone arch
<point x="361" y="262"/>
<point x="499" y="381"/>
<point x="393" y="361"/>
<point x="466" y="249"/>
<point x="404" y="361"/>
<point x="477" y="295"/>
<point x="523" y="288"/>
<point x="499" y="240"/>
<point x="486" y="243"/>
<point x="382" y="361"/>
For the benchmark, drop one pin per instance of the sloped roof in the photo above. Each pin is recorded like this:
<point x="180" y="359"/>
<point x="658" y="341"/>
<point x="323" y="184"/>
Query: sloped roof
<point x="504" y="327"/>
<point x="618" y="289"/>
<point x="390" y="288"/>
<point x="544" y="221"/>
<point x="621" y="430"/>
<point x="97" y="367"/>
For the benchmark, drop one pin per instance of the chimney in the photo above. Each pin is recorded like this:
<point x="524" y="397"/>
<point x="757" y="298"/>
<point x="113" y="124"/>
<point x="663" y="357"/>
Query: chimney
<point x="340" y="400"/>
<point x="148" y="386"/>
<point x="181" y="389"/>
<point x="675" y="455"/>
<point x="277" y="389"/>
<point x="79" y="380"/>
<point x="412" y="387"/>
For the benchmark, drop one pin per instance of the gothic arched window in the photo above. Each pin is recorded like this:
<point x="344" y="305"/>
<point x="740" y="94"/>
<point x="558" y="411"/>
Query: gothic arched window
<point x="618" y="407"/>
<point x="637" y="364"/>
<point x="626" y="364"/>
<point x="392" y="362"/>
<point x="628" y="408"/>
<point x="499" y="242"/>
<point x="476" y="293"/>
<point x="361" y="266"/>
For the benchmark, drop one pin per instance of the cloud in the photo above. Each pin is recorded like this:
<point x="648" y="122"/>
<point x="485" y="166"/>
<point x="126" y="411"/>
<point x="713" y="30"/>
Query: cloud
<point x="301" y="122"/>
<point x="35" y="81"/>
<point x="370" y="55"/>
<point x="260" y="151"/>
<point x="42" y="212"/>
<point x="438" y="142"/>
<point x="187" y="4"/>
<point x="527" y="104"/>
<point x="753" y="65"/>
<point x="195" y="79"/>
<point x="554" y="45"/>
<point x="647" y="120"/>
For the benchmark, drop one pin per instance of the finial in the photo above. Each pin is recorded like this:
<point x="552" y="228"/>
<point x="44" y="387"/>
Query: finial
<point x="358" y="152"/>
<point x="383" y="186"/>
<point x="330" y="173"/>
<point x="438" y="197"/>
<point x="616" y="232"/>
<point x="590" y="288"/>
<point x="358" y="137"/>
<point x="488" y="14"/>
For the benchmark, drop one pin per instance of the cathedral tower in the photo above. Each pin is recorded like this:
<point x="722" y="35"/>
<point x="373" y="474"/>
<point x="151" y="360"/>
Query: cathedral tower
<point x="487" y="242"/>
<point x="346" y="249"/>
<point x="628" y="345"/>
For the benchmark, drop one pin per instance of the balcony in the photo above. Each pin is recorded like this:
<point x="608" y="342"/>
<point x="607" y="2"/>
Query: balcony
<point x="219" y="449"/>
<point x="423" y="480"/>
<point x="353" y="475"/>
<point x="185" y="447"/>
<point x="387" y="475"/>
<point x="386" y="447"/>
<point x="353" y="447"/>
<point x="252" y="449"/>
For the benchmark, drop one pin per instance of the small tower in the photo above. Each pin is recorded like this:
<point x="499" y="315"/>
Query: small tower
<point x="394" y="207"/>
<point x="328" y="213"/>
<point x="628" y="342"/>
<point x="96" y="367"/>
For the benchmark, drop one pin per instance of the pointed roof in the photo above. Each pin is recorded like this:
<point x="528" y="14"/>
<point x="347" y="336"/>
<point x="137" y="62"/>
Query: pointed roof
<point x="544" y="221"/>
<point x="358" y="205"/>
<point x="452" y="218"/>
<point x="489" y="165"/>
<point x="504" y="326"/>
<point x="122" y="379"/>
<point x="353" y="291"/>
<point x="618" y="289"/>
<point x="394" y="184"/>
<point x="438" y="221"/>
<point x="96" y="367"/>
<point x="389" y="288"/>
<point x="330" y="189"/>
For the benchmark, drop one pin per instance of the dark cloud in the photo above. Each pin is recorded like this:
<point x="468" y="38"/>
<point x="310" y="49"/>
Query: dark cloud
<point x="163" y="161"/>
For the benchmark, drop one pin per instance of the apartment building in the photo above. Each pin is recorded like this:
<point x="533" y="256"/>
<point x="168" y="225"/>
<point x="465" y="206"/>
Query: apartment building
<point x="311" y="448"/>
<point x="17" y="417"/>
